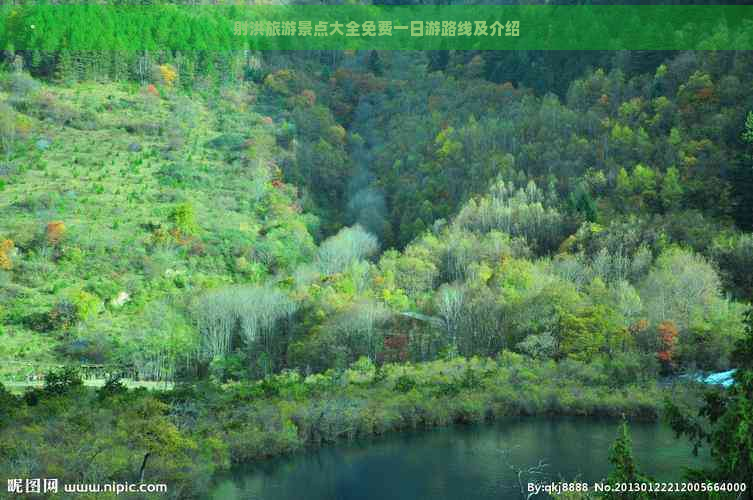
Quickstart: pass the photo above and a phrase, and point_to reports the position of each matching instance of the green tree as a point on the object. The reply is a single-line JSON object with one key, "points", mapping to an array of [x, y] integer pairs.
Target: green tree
{"points": [[625, 469], [724, 422], [8, 405], [65, 71], [582, 335], [624, 185], [149, 432], [743, 178], [62, 381], [682, 287], [644, 183], [582, 202], [184, 218], [375, 63], [671, 190]]}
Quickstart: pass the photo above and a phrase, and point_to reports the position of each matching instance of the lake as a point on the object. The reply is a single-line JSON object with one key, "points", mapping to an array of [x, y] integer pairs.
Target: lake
{"points": [[459, 462]]}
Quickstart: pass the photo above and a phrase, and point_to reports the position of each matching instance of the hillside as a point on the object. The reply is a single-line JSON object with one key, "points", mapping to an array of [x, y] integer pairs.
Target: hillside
{"points": [[171, 244], [124, 205], [299, 247]]}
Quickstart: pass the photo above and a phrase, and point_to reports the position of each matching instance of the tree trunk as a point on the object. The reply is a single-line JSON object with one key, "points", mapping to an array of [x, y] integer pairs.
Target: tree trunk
{"points": [[143, 466]]}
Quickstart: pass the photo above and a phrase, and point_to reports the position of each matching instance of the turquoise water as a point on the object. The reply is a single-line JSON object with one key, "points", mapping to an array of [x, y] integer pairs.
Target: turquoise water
{"points": [[460, 462]]}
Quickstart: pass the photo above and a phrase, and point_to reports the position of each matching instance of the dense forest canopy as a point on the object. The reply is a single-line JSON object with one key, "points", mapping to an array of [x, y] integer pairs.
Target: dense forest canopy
{"points": [[651, 167], [604, 167], [410, 224]]}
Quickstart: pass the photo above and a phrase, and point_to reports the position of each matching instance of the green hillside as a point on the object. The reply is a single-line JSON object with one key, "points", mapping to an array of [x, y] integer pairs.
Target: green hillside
{"points": [[247, 254], [126, 205]]}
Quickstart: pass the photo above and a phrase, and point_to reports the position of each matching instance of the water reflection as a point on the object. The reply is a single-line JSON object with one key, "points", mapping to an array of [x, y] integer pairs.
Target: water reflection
{"points": [[469, 463]]}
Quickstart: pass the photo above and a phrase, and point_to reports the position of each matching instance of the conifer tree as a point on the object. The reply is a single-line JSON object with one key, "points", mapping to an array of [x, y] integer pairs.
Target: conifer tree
{"points": [[625, 469], [743, 179], [64, 69], [724, 421]]}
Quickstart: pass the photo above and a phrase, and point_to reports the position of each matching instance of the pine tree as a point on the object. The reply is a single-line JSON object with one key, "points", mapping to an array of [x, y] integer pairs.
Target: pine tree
{"points": [[120, 65], [624, 468], [375, 63], [35, 65], [671, 189], [64, 69], [101, 65], [743, 179]]}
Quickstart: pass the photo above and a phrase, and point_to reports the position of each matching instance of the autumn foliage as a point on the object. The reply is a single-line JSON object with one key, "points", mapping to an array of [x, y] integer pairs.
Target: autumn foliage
{"points": [[668, 334], [309, 96], [638, 327], [55, 231], [6, 246], [395, 348], [168, 74]]}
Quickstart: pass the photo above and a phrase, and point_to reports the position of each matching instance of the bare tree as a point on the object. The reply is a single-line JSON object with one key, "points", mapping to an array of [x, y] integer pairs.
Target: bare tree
{"points": [[251, 314], [450, 304], [217, 319], [682, 284], [347, 246], [521, 212]]}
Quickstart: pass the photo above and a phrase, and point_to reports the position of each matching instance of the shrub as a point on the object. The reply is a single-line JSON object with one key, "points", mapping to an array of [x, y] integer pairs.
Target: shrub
{"points": [[88, 350], [404, 383], [184, 175], [184, 218], [228, 142], [87, 305], [113, 387], [6, 247], [145, 127], [55, 232], [229, 367], [8, 404], [21, 84], [310, 96], [12, 126], [62, 316], [61, 381], [541, 346], [282, 81], [628, 368], [470, 378]]}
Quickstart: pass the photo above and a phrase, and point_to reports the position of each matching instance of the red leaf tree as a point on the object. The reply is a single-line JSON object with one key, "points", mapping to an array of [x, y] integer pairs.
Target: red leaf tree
{"points": [[668, 335]]}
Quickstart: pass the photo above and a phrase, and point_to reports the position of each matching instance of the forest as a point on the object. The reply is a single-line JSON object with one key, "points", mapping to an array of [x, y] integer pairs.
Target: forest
{"points": [[209, 258]]}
